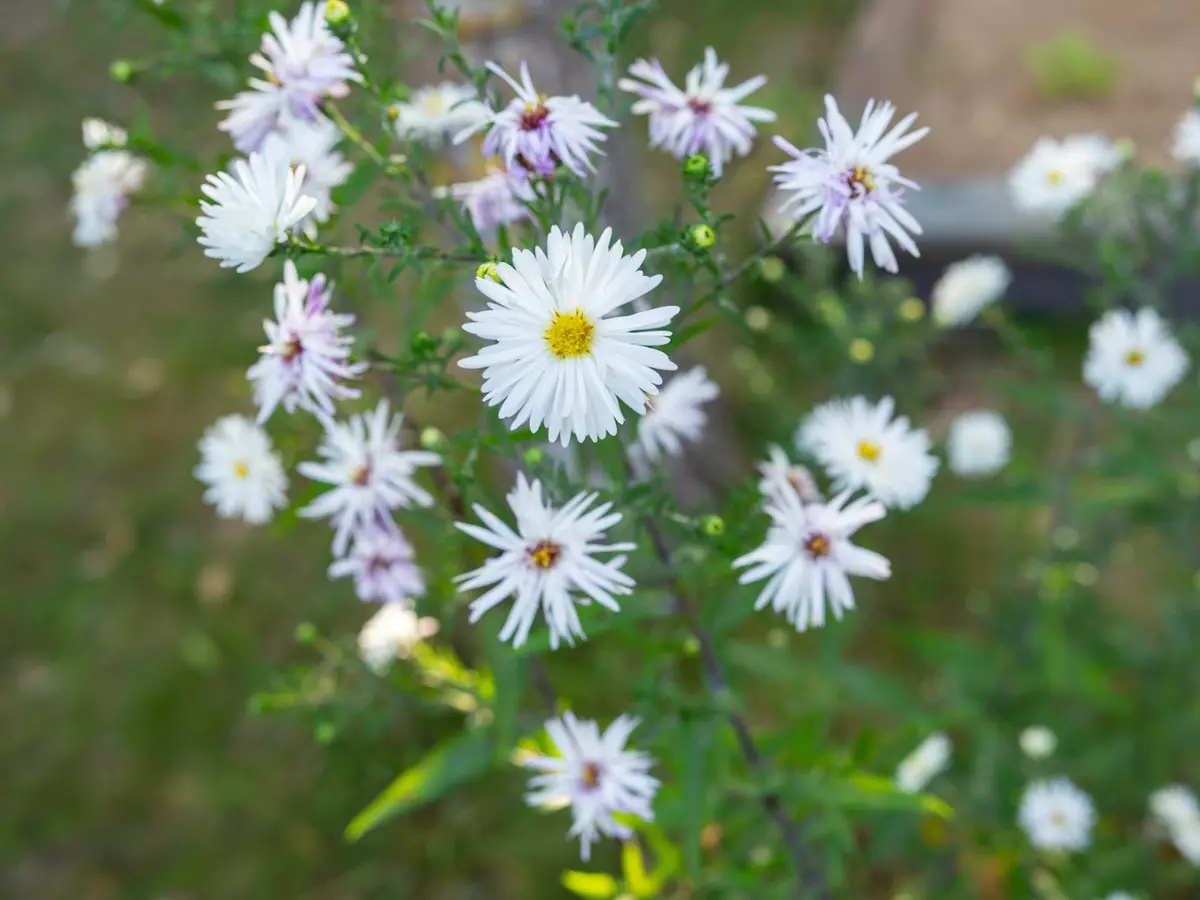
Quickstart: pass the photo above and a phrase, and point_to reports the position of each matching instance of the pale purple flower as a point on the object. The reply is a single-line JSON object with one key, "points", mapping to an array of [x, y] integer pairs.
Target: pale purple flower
{"points": [[313, 145], [851, 186], [103, 184], [493, 200], [307, 357], [702, 117], [383, 565]]}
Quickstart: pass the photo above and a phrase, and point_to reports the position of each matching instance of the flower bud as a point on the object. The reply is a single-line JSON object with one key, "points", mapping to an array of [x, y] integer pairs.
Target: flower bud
{"points": [[534, 456], [714, 526], [703, 236], [337, 12], [422, 342], [306, 634], [912, 309], [862, 350], [122, 70], [696, 166], [432, 438], [772, 269]]}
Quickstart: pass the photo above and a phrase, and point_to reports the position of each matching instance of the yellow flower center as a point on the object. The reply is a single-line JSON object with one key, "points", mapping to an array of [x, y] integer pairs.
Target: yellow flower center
{"points": [[861, 181], [241, 469], [433, 103], [1135, 358], [591, 776], [544, 555], [817, 545], [570, 335], [868, 450], [1055, 176]]}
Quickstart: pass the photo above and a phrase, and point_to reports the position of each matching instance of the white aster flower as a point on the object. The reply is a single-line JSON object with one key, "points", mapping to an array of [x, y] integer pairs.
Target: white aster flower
{"points": [[493, 200], [242, 471], [97, 133], [1186, 147], [370, 474], [102, 185], [850, 184], [438, 111], [596, 776], [924, 764], [1056, 815], [313, 146], [539, 133], [392, 633], [1120, 895], [1174, 806], [249, 212], [676, 414], [966, 287], [863, 448], [808, 557], [559, 359], [1055, 175], [383, 565], [547, 563], [1038, 742], [306, 357], [978, 444], [1186, 838], [303, 63], [780, 475], [1133, 359], [704, 117]]}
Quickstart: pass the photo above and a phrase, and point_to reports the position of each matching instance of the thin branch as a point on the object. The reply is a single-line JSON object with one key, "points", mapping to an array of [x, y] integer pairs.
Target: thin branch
{"points": [[750, 261], [424, 252], [353, 134]]}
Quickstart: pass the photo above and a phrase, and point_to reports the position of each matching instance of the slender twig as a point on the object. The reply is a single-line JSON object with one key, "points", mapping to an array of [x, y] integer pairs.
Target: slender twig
{"points": [[425, 252], [353, 134]]}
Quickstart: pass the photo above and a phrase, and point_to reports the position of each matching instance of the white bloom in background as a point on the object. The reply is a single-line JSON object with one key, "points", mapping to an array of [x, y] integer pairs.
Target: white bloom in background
{"points": [[1055, 175], [392, 633], [1186, 838], [97, 133], [438, 111], [306, 357], [979, 443], [370, 474], [850, 185], [303, 63], [548, 563], [966, 287], [313, 145], [1056, 815], [538, 133], [676, 415], [808, 557], [596, 776], [493, 200], [1174, 806], [780, 476], [558, 358], [924, 764], [704, 117], [249, 212], [242, 471], [383, 565], [1133, 359], [863, 448], [1186, 147], [102, 185], [1038, 742], [1120, 895]]}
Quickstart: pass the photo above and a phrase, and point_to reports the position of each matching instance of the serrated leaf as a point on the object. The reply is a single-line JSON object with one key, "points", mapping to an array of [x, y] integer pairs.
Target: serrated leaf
{"points": [[590, 885]]}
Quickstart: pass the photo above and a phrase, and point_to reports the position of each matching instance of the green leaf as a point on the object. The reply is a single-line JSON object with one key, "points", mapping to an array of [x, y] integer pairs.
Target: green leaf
{"points": [[448, 765], [590, 885], [694, 778], [633, 868], [867, 791]]}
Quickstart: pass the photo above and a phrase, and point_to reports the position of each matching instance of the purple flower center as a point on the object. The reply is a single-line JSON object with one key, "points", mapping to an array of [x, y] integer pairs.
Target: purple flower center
{"points": [[817, 545], [534, 116]]}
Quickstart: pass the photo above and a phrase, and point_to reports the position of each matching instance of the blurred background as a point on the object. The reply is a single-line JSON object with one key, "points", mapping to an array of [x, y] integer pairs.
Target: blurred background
{"points": [[136, 626]]}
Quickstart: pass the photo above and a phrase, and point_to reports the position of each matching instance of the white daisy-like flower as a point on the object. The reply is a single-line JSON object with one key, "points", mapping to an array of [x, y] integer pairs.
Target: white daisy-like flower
{"points": [[1186, 146], [303, 63], [370, 474], [780, 475], [596, 776], [676, 415], [548, 563], [1186, 838], [242, 471], [313, 145], [1055, 175], [966, 287], [249, 212], [558, 358], [306, 358], [1174, 806], [97, 133], [493, 200], [851, 185], [1056, 815], [392, 633], [1038, 742], [539, 133], [438, 111], [702, 117], [383, 565], [103, 183], [808, 557], [1133, 359], [1120, 895], [863, 448], [979, 443], [925, 763]]}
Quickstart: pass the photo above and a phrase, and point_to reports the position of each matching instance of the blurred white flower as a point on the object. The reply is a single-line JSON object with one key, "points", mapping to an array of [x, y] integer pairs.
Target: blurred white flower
{"points": [[863, 448], [98, 133], [1133, 359], [596, 776], [780, 475], [558, 359], [676, 415], [1120, 895], [924, 764], [438, 111], [851, 185], [1055, 175], [978, 444], [1174, 805], [249, 212], [807, 557], [383, 565], [966, 287], [1056, 815], [493, 200], [392, 633], [243, 473], [704, 117], [547, 563], [1186, 146], [1186, 837], [313, 146], [102, 185], [1038, 742]]}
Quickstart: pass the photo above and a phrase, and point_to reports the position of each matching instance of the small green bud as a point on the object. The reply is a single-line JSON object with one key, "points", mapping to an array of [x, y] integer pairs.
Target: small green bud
{"points": [[306, 634], [772, 269], [337, 12], [912, 309], [422, 342], [534, 456], [325, 733], [703, 236], [488, 270], [691, 646], [432, 438], [862, 350], [714, 526], [122, 71], [758, 318], [696, 166], [393, 111]]}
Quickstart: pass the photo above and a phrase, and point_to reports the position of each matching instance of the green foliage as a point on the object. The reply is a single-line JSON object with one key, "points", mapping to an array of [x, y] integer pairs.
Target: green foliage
{"points": [[1070, 67]]}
